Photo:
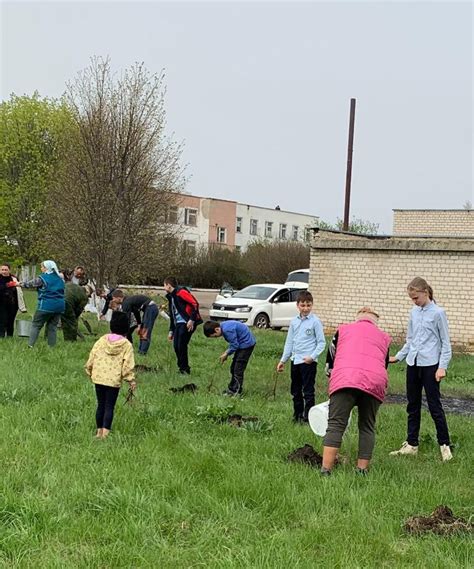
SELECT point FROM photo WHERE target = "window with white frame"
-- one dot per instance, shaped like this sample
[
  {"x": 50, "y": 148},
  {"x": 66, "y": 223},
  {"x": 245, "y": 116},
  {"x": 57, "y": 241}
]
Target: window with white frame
[
  {"x": 307, "y": 234},
  {"x": 190, "y": 216},
  {"x": 238, "y": 225},
  {"x": 295, "y": 232},
  {"x": 221, "y": 235},
  {"x": 171, "y": 214},
  {"x": 268, "y": 228},
  {"x": 253, "y": 226},
  {"x": 282, "y": 230}
]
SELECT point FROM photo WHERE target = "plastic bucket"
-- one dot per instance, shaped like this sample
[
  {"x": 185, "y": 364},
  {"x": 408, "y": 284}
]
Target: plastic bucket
[
  {"x": 23, "y": 328},
  {"x": 318, "y": 418}
]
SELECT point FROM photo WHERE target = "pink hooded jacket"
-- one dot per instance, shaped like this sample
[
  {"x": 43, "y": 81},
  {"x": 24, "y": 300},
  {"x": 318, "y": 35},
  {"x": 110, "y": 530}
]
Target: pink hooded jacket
[{"x": 360, "y": 359}]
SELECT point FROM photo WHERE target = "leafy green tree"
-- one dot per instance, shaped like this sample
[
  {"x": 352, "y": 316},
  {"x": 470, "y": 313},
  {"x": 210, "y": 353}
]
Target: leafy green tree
[
  {"x": 30, "y": 129},
  {"x": 356, "y": 225}
]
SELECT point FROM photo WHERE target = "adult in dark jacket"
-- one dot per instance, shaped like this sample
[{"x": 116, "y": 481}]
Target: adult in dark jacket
[
  {"x": 184, "y": 317},
  {"x": 8, "y": 301},
  {"x": 142, "y": 312},
  {"x": 75, "y": 297},
  {"x": 50, "y": 302}
]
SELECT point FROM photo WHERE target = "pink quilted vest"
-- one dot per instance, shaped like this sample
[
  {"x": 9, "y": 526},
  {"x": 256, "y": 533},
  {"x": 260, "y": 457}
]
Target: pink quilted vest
[{"x": 360, "y": 359}]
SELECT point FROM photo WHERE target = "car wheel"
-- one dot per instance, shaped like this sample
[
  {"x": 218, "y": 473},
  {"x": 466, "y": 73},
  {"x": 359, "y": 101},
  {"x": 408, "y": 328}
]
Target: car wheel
[{"x": 261, "y": 321}]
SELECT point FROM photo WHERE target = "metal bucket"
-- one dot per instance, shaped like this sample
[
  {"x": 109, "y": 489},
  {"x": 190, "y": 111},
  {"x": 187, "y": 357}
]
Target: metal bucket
[{"x": 23, "y": 328}]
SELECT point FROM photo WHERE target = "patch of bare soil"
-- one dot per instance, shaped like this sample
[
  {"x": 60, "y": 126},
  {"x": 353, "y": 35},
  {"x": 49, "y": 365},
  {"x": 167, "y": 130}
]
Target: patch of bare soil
[
  {"x": 307, "y": 455},
  {"x": 459, "y": 406},
  {"x": 191, "y": 387},
  {"x": 239, "y": 420},
  {"x": 441, "y": 521}
]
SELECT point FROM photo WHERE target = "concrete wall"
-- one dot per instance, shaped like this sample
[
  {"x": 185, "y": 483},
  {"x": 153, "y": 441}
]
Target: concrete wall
[
  {"x": 435, "y": 222},
  {"x": 348, "y": 272}
]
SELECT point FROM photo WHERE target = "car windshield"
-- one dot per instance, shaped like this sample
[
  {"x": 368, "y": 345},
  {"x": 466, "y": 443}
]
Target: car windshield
[
  {"x": 255, "y": 292},
  {"x": 299, "y": 277}
]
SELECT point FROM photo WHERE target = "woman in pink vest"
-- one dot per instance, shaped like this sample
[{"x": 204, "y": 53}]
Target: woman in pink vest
[{"x": 356, "y": 365}]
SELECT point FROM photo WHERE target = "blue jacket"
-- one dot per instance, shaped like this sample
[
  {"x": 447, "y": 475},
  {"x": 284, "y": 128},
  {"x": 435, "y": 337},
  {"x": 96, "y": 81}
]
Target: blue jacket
[
  {"x": 51, "y": 294},
  {"x": 238, "y": 335}
]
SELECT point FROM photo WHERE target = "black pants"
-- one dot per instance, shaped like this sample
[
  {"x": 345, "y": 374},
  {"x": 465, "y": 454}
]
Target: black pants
[
  {"x": 303, "y": 378},
  {"x": 106, "y": 399},
  {"x": 237, "y": 368},
  {"x": 7, "y": 319},
  {"x": 181, "y": 338},
  {"x": 341, "y": 404},
  {"x": 417, "y": 379}
]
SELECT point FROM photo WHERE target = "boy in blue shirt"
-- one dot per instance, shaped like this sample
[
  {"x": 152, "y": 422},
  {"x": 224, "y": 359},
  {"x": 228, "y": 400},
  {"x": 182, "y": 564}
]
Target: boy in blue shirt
[
  {"x": 241, "y": 344},
  {"x": 304, "y": 343}
]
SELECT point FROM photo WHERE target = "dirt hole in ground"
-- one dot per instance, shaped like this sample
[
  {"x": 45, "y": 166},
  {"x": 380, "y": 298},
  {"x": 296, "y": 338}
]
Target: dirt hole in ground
[
  {"x": 239, "y": 420},
  {"x": 144, "y": 367},
  {"x": 442, "y": 522},
  {"x": 191, "y": 387},
  {"x": 307, "y": 455}
]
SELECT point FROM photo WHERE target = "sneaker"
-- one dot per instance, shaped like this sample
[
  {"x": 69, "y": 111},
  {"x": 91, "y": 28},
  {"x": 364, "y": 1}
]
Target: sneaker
[
  {"x": 445, "y": 453},
  {"x": 405, "y": 449}
]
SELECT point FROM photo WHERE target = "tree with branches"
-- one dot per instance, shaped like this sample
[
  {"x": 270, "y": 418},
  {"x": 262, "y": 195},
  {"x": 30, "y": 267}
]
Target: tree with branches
[{"x": 120, "y": 174}]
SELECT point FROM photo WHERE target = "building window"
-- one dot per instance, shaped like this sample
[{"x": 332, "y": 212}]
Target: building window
[
  {"x": 171, "y": 214},
  {"x": 268, "y": 228},
  {"x": 190, "y": 216},
  {"x": 282, "y": 230},
  {"x": 189, "y": 246},
  {"x": 238, "y": 248},
  {"x": 295, "y": 232},
  {"x": 253, "y": 227},
  {"x": 221, "y": 235},
  {"x": 238, "y": 225},
  {"x": 307, "y": 234}
]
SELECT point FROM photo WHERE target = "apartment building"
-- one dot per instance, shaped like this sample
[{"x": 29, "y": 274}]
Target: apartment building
[{"x": 232, "y": 224}]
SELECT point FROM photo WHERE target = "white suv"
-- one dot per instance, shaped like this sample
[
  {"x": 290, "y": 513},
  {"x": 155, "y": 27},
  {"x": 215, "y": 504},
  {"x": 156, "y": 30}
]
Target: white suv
[{"x": 261, "y": 305}]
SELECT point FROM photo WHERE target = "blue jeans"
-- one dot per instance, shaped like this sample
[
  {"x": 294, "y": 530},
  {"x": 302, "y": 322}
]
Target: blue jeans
[{"x": 149, "y": 317}]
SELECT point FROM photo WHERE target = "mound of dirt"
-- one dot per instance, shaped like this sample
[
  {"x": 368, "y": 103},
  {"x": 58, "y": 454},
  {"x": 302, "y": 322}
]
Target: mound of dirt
[
  {"x": 192, "y": 387},
  {"x": 441, "y": 521},
  {"x": 307, "y": 455},
  {"x": 239, "y": 420}
]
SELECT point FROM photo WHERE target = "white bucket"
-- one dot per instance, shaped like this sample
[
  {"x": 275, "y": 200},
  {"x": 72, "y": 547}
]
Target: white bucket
[
  {"x": 318, "y": 418},
  {"x": 23, "y": 328}
]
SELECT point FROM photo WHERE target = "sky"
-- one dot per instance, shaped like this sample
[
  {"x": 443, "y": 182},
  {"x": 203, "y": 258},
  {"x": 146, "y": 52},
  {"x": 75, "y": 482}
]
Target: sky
[{"x": 260, "y": 91}]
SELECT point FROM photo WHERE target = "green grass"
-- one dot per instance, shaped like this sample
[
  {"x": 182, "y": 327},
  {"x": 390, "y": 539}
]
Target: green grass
[{"x": 171, "y": 488}]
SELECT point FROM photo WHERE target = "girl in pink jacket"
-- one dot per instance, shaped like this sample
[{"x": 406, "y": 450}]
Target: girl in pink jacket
[{"x": 356, "y": 364}]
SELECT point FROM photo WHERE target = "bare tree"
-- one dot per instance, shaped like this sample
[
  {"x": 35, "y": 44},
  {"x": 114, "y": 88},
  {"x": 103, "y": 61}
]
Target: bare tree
[
  {"x": 120, "y": 174},
  {"x": 467, "y": 205}
]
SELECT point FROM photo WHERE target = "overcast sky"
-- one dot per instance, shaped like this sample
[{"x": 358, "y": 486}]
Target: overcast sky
[{"x": 260, "y": 92}]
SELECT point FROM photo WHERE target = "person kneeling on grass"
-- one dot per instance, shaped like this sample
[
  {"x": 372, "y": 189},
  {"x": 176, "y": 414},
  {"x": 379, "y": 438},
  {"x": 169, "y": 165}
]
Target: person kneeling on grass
[
  {"x": 110, "y": 363},
  {"x": 356, "y": 365},
  {"x": 241, "y": 344}
]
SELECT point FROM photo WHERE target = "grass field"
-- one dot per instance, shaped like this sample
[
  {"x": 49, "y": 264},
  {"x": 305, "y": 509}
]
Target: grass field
[{"x": 172, "y": 489}]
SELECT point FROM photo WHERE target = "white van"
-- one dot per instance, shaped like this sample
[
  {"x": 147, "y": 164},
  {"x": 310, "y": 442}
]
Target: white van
[{"x": 298, "y": 278}]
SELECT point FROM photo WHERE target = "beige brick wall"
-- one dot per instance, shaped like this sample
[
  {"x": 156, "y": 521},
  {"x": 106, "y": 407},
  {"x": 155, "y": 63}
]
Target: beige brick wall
[
  {"x": 442, "y": 222},
  {"x": 348, "y": 272}
]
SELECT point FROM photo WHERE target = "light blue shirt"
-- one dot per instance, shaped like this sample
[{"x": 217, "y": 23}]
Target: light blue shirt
[
  {"x": 427, "y": 337},
  {"x": 305, "y": 338},
  {"x": 178, "y": 319}
]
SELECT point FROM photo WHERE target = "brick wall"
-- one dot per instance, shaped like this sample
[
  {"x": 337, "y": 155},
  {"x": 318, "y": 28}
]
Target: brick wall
[
  {"x": 348, "y": 272},
  {"x": 446, "y": 222}
]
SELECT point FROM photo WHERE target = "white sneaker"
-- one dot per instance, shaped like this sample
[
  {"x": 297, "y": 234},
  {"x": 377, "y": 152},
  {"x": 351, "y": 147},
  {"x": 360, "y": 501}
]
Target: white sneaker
[
  {"x": 445, "y": 453},
  {"x": 405, "y": 449}
]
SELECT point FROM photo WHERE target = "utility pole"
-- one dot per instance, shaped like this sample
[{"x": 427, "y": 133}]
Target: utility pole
[{"x": 347, "y": 201}]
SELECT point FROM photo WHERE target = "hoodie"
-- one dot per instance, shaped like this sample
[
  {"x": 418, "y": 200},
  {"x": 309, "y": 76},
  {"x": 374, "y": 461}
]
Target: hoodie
[{"x": 111, "y": 361}]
